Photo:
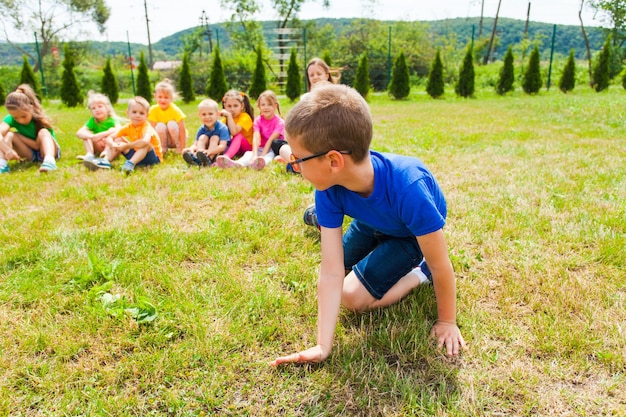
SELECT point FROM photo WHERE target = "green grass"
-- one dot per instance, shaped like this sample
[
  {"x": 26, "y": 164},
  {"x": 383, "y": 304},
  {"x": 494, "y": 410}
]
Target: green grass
[{"x": 536, "y": 188}]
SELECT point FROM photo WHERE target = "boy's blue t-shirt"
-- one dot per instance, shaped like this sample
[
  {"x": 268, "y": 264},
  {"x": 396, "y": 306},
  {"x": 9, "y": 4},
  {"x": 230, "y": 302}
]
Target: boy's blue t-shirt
[
  {"x": 220, "y": 129},
  {"x": 406, "y": 201}
]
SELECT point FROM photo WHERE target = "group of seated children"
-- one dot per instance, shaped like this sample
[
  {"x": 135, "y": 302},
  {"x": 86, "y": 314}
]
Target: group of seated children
[{"x": 237, "y": 140}]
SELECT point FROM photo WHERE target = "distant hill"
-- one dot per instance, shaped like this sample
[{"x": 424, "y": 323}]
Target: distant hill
[{"x": 509, "y": 32}]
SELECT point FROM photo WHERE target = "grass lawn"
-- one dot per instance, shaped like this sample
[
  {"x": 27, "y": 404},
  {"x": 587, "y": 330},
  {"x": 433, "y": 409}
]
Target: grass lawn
[{"x": 168, "y": 292}]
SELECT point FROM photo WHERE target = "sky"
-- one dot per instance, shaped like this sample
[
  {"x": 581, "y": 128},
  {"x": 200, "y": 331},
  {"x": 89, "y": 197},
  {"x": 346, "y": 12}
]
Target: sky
[{"x": 166, "y": 17}]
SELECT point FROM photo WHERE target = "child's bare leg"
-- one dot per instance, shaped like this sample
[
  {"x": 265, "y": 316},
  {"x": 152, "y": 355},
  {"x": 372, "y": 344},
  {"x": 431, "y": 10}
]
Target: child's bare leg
[
  {"x": 47, "y": 145},
  {"x": 356, "y": 297},
  {"x": 173, "y": 131},
  {"x": 161, "y": 130},
  {"x": 213, "y": 149},
  {"x": 203, "y": 143},
  {"x": 24, "y": 147},
  {"x": 285, "y": 152},
  {"x": 140, "y": 154}
]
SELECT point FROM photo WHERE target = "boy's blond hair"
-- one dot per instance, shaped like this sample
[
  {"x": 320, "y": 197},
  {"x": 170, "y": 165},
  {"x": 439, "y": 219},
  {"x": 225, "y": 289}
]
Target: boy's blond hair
[
  {"x": 140, "y": 101},
  {"x": 208, "y": 103},
  {"x": 332, "y": 117}
]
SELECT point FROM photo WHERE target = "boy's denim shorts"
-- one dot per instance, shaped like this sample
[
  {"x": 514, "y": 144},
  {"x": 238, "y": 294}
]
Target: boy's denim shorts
[
  {"x": 150, "y": 159},
  {"x": 378, "y": 260}
]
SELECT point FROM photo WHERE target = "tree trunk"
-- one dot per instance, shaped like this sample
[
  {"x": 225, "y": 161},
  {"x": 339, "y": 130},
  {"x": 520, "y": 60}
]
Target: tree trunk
[
  {"x": 493, "y": 35},
  {"x": 582, "y": 28}
]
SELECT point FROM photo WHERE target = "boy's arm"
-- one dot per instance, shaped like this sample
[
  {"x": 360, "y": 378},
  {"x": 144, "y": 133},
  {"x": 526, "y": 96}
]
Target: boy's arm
[
  {"x": 445, "y": 330},
  {"x": 329, "y": 290}
]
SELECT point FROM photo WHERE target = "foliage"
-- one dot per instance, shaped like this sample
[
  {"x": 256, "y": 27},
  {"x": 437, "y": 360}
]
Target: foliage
[
  {"x": 435, "y": 86},
  {"x": 362, "y": 78},
  {"x": 532, "y": 76},
  {"x": 109, "y": 85},
  {"x": 70, "y": 90},
  {"x": 185, "y": 83},
  {"x": 507, "y": 74},
  {"x": 613, "y": 13},
  {"x": 144, "y": 87},
  {"x": 400, "y": 86},
  {"x": 27, "y": 76},
  {"x": 465, "y": 85},
  {"x": 293, "y": 89},
  {"x": 326, "y": 57},
  {"x": 3, "y": 95},
  {"x": 259, "y": 82},
  {"x": 217, "y": 86},
  {"x": 624, "y": 80},
  {"x": 49, "y": 19},
  {"x": 600, "y": 74},
  {"x": 568, "y": 77}
]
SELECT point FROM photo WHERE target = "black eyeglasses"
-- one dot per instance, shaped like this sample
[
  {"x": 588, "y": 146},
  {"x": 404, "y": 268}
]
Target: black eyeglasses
[{"x": 295, "y": 163}]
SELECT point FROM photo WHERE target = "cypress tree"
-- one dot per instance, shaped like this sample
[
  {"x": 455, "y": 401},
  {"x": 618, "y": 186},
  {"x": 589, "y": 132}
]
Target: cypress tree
[
  {"x": 69, "y": 90},
  {"x": 362, "y": 77},
  {"x": 435, "y": 85},
  {"x": 108, "y": 85},
  {"x": 400, "y": 86},
  {"x": 185, "y": 83},
  {"x": 507, "y": 74},
  {"x": 601, "y": 69},
  {"x": 293, "y": 88},
  {"x": 568, "y": 78},
  {"x": 259, "y": 82},
  {"x": 27, "y": 76},
  {"x": 465, "y": 85},
  {"x": 326, "y": 58},
  {"x": 532, "y": 76},
  {"x": 144, "y": 89},
  {"x": 217, "y": 86}
]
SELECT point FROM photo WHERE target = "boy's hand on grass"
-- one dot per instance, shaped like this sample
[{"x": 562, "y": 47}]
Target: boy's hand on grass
[
  {"x": 448, "y": 335},
  {"x": 312, "y": 355}
]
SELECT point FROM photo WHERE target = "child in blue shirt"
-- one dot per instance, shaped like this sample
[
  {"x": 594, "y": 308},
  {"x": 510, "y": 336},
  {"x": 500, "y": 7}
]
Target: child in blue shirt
[
  {"x": 212, "y": 138},
  {"x": 398, "y": 212}
]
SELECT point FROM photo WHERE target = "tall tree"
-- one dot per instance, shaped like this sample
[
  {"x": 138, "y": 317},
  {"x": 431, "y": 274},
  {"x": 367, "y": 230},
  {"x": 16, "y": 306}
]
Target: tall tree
[
  {"x": 613, "y": 13},
  {"x": 144, "y": 88},
  {"x": 532, "y": 76},
  {"x": 465, "y": 85},
  {"x": 400, "y": 85},
  {"x": 435, "y": 84},
  {"x": 70, "y": 90},
  {"x": 601, "y": 76},
  {"x": 293, "y": 89},
  {"x": 217, "y": 85},
  {"x": 108, "y": 85},
  {"x": 586, "y": 39},
  {"x": 362, "y": 77},
  {"x": 568, "y": 78},
  {"x": 259, "y": 81},
  {"x": 27, "y": 76},
  {"x": 50, "y": 18},
  {"x": 507, "y": 74},
  {"x": 185, "y": 83}
]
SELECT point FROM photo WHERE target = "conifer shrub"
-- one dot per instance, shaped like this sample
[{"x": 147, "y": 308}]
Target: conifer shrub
[
  {"x": 293, "y": 89},
  {"x": 532, "y": 76},
  {"x": 3, "y": 95},
  {"x": 507, "y": 74},
  {"x": 568, "y": 77},
  {"x": 108, "y": 85},
  {"x": 400, "y": 85},
  {"x": 144, "y": 89},
  {"x": 465, "y": 85},
  {"x": 27, "y": 76},
  {"x": 259, "y": 81},
  {"x": 217, "y": 85},
  {"x": 362, "y": 77},
  {"x": 185, "y": 82},
  {"x": 435, "y": 84},
  {"x": 70, "y": 90},
  {"x": 326, "y": 57},
  {"x": 600, "y": 75}
]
